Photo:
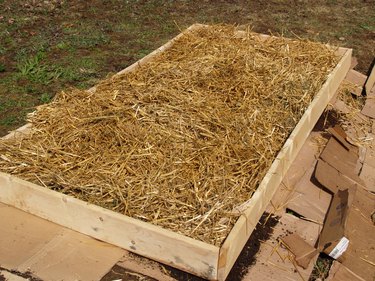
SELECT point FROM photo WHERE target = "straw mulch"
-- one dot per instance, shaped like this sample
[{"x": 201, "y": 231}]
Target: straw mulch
[{"x": 182, "y": 140}]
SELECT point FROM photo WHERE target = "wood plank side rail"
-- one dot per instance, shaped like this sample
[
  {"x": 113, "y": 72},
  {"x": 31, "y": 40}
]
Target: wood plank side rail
[{"x": 154, "y": 242}]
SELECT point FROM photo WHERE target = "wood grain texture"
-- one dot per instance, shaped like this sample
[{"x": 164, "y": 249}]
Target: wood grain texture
[{"x": 136, "y": 236}]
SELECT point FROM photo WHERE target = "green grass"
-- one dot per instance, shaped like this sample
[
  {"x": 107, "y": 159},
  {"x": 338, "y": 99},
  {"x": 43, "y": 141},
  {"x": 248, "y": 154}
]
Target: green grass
[
  {"x": 45, "y": 98},
  {"x": 36, "y": 69},
  {"x": 45, "y": 48},
  {"x": 321, "y": 268}
]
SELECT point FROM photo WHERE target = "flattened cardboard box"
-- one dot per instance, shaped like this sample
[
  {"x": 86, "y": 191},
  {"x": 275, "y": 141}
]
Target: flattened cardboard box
[{"x": 348, "y": 229}]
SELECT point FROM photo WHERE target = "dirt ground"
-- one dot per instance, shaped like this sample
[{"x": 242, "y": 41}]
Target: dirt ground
[{"x": 48, "y": 46}]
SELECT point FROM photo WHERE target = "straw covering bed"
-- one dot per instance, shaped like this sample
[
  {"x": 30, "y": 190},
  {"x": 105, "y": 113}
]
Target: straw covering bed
[{"x": 182, "y": 140}]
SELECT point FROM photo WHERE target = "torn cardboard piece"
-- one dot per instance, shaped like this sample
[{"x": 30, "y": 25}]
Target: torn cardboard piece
[
  {"x": 334, "y": 225},
  {"x": 354, "y": 62},
  {"x": 144, "y": 266},
  {"x": 345, "y": 161},
  {"x": 294, "y": 178},
  {"x": 369, "y": 107},
  {"x": 272, "y": 260},
  {"x": 302, "y": 251},
  {"x": 368, "y": 176},
  {"x": 367, "y": 172},
  {"x": 339, "y": 134},
  {"x": 331, "y": 178},
  {"x": 358, "y": 79}
]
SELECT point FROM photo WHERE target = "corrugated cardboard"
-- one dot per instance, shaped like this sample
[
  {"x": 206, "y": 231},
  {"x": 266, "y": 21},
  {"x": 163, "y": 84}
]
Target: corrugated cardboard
[
  {"x": 345, "y": 161},
  {"x": 302, "y": 251},
  {"x": 339, "y": 272},
  {"x": 353, "y": 202},
  {"x": 49, "y": 251},
  {"x": 358, "y": 79},
  {"x": 334, "y": 225}
]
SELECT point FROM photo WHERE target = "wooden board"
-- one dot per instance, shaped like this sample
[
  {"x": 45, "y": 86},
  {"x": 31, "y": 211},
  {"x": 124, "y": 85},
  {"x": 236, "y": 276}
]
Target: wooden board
[
  {"x": 151, "y": 241},
  {"x": 139, "y": 237}
]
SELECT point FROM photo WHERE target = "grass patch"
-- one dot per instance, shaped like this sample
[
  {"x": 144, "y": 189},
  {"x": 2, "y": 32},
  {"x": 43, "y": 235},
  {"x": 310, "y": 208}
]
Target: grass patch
[
  {"x": 36, "y": 70},
  {"x": 45, "y": 98},
  {"x": 45, "y": 47}
]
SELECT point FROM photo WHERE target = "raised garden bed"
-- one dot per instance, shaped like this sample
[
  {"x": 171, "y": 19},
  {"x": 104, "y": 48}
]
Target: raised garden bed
[{"x": 186, "y": 147}]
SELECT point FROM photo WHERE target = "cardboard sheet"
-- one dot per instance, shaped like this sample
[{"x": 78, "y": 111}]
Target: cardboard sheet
[
  {"x": 299, "y": 168},
  {"x": 309, "y": 200},
  {"x": 51, "y": 252},
  {"x": 358, "y": 79},
  {"x": 330, "y": 178},
  {"x": 144, "y": 266},
  {"x": 302, "y": 251},
  {"x": 339, "y": 272},
  {"x": 334, "y": 225},
  {"x": 367, "y": 174},
  {"x": 360, "y": 255},
  {"x": 273, "y": 263},
  {"x": 339, "y": 134},
  {"x": 369, "y": 107},
  {"x": 345, "y": 161}
]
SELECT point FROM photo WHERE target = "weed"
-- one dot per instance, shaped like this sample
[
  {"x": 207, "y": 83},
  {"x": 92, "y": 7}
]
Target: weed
[
  {"x": 63, "y": 46},
  {"x": 321, "y": 268},
  {"x": 45, "y": 98},
  {"x": 2, "y": 67},
  {"x": 35, "y": 70}
]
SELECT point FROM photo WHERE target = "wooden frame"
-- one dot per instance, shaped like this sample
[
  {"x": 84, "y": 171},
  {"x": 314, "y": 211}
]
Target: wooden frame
[{"x": 199, "y": 258}]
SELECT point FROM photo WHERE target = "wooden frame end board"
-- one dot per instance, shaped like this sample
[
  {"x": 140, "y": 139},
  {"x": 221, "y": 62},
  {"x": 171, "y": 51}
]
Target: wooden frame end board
[
  {"x": 134, "y": 235},
  {"x": 154, "y": 242}
]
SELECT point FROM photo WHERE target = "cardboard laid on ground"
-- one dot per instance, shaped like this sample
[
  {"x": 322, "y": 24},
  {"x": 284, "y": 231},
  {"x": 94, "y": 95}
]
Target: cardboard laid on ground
[
  {"x": 274, "y": 262},
  {"x": 29, "y": 243},
  {"x": 303, "y": 251},
  {"x": 339, "y": 272},
  {"x": 347, "y": 234}
]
